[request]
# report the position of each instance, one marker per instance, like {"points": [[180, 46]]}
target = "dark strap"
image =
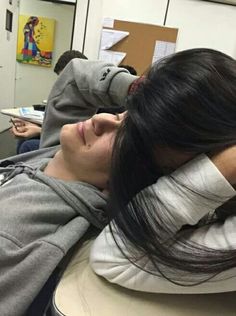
{"points": [[6, 163]]}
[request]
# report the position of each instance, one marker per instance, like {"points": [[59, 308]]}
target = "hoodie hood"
{"points": [[85, 199]]}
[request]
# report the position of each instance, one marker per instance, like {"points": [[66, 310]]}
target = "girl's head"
{"points": [[185, 106]]}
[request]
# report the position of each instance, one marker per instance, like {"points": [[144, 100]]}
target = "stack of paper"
{"points": [[162, 49], [108, 39], [25, 113]]}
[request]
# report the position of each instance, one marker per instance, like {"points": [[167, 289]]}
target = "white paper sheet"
{"points": [[108, 22], [111, 37], [162, 49], [25, 113], [111, 57]]}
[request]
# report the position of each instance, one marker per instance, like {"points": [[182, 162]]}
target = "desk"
{"points": [[82, 293]]}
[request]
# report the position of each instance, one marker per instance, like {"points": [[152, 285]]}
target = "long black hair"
{"points": [[187, 103]]}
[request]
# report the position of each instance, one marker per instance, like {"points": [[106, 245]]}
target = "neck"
{"points": [[57, 168]]}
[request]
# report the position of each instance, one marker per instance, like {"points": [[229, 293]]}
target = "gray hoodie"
{"points": [[42, 217]]}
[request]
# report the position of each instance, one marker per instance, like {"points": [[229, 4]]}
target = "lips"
{"points": [[80, 127]]}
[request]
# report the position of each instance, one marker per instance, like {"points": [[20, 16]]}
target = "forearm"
{"points": [[192, 191], [82, 87], [189, 194]]}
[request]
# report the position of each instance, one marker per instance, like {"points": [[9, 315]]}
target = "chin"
{"points": [[67, 134]]}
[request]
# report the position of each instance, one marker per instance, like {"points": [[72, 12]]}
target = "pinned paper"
{"points": [[111, 37], [108, 22], [111, 57], [162, 49]]}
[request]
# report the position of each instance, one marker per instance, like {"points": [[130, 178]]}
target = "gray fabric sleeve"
{"points": [[80, 90]]}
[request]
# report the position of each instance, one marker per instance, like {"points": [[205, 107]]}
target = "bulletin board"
{"points": [[139, 45]]}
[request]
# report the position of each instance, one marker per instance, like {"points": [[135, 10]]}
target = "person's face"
{"points": [[87, 147]]}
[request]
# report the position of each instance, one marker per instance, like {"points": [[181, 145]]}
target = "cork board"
{"points": [[140, 44]]}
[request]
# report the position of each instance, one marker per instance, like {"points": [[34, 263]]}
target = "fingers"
{"points": [[19, 132], [20, 129], [15, 132], [32, 130], [18, 122], [24, 129], [29, 124], [18, 126]]}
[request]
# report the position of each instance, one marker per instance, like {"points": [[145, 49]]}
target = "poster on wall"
{"points": [[35, 40]]}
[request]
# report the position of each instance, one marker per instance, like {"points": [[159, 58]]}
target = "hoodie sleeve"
{"points": [[184, 206], [79, 91]]}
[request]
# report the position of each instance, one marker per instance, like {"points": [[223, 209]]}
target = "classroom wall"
{"points": [[200, 23], [204, 24], [33, 83], [152, 12], [7, 55]]}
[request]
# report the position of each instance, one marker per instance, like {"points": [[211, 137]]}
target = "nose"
{"points": [[105, 123]]}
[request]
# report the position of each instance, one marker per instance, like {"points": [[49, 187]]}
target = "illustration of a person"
{"points": [[30, 50]]}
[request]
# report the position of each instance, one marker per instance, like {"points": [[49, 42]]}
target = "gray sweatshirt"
{"points": [[42, 217]]}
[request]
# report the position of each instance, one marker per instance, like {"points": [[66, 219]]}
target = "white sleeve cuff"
{"points": [[193, 190]]}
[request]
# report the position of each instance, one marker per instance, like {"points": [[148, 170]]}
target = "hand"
{"points": [[225, 161], [25, 129]]}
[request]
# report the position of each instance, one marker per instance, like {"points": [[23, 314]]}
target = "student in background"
{"points": [[65, 58], [130, 69], [29, 133]]}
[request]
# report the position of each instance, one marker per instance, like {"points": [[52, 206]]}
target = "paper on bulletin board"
{"points": [[162, 49], [111, 37], [108, 22], [111, 57]]}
